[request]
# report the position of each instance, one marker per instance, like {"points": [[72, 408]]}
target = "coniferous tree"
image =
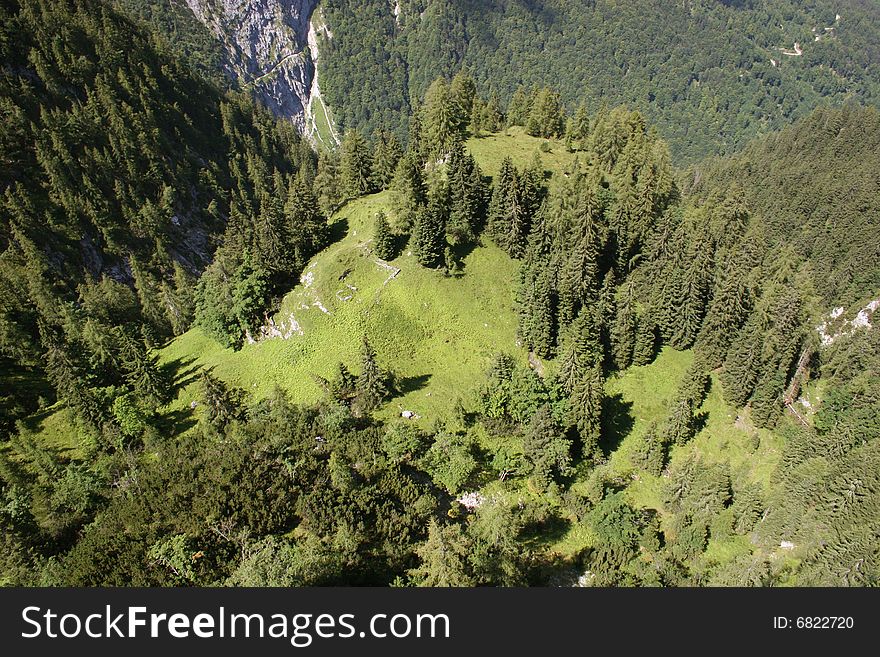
{"points": [[622, 333], [681, 424], [442, 124], [645, 346], [545, 448], [371, 387], [356, 165], [329, 187], [409, 193], [520, 107], [463, 91], [383, 239], [429, 234], [386, 156], [585, 407], [501, 192], [545, 118], [223, 404]]}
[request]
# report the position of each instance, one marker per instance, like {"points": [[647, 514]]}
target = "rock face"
{"points": [[269, 51]]}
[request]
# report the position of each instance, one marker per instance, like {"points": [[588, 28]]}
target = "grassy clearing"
{"points": [[440, 333]]}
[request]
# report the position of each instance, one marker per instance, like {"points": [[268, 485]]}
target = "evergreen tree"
{"points": [[645, 347], [386, 156], [545, 448], [585, 407], [520, 107], [444, 558], [442, 124], [681, 424], [383, 239], [429, 234], [329, 186], [409, 193], [223, 404], [463, 92], [371, 387], [545, 118], [356, 165]]}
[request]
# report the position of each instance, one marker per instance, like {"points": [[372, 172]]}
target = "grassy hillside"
{"points": [[440, 332]]}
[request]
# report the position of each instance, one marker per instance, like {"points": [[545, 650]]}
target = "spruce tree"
{"points": [[463, 91], [429, 235], [441, 128], [585, 408], [545, 448], [386, 156], [356, 166], [681, 424], [545, 118], [223, 404], [383, 239], [371, 387], [645, 347]]}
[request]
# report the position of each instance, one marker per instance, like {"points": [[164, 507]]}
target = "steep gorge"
{"points": [[270, 47]]}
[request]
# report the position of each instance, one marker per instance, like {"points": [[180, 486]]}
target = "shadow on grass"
{"points": [[180, 372], [338, 230], [408, 384], [617, 422], [176, 422]]}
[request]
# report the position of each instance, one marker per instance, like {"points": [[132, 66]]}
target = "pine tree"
{"points": [[585, 407], [386, 156], [429, 235], [645, 347], [545, 448], [383, 239], [356, 166], [223, 404], [371, 388], [545, 118]]}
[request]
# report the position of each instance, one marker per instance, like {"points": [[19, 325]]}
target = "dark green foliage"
{"points": [[356, 165], [222, 403], [546, 117], [515, 201], [385, 244], [371, 387], [546, 450], [386, 155], [701, 72], [429, 233]]}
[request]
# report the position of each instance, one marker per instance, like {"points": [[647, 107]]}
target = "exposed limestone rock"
{"points": [[271, 49]]}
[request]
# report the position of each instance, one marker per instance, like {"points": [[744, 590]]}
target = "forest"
{"points": [[504, 335]]}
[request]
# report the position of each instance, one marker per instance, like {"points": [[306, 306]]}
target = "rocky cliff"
{"points": [[270, 47]]}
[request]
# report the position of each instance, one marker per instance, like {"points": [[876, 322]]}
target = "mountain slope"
{"points": [[711, 75]]}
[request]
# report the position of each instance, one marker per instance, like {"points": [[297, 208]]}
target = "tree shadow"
{"points": [[181, 372], [176, 422], [408, 384], [338, 230], [617, 422], [700, 420]]}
